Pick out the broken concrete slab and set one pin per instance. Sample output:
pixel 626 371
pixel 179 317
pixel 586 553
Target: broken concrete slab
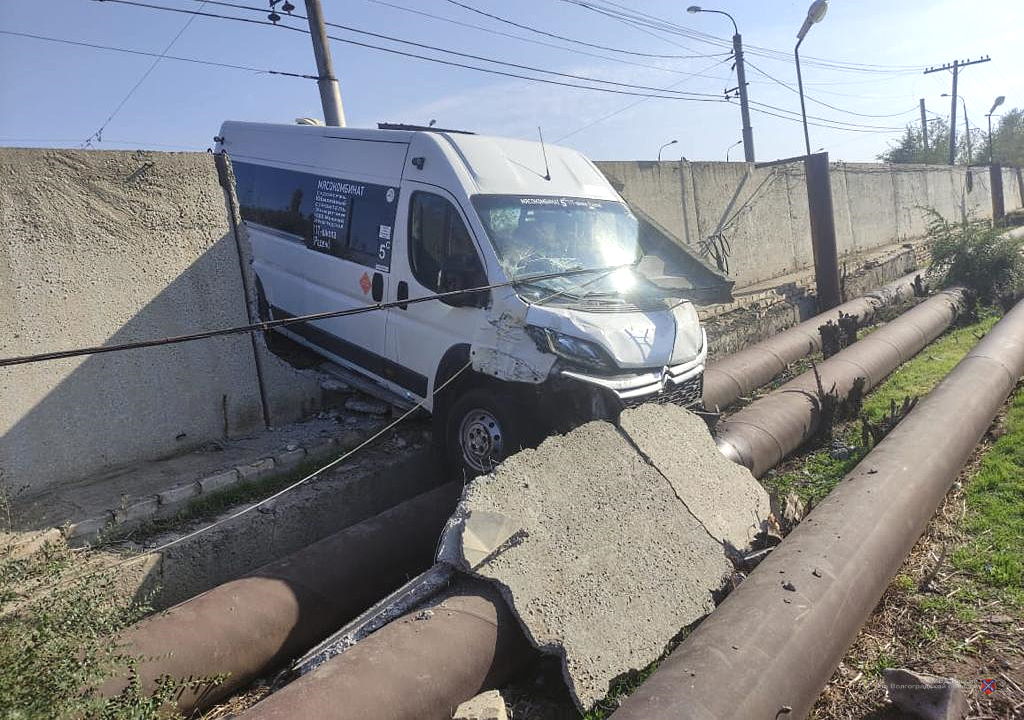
pixel 485 706
pixel 598 557
pixel 928 697
pixel 722 495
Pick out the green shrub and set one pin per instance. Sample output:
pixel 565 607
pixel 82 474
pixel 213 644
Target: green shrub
pixel 56 625
pixel 974 254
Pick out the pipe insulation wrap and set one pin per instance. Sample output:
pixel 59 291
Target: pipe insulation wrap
pixel 250 626
pixel 741 373
pixel 760 435
pixel 776 647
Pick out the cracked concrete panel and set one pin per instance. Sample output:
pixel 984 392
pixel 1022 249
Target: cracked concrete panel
pixel 722 495
pixel 598 558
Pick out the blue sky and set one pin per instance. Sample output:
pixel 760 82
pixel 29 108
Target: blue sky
pixel 58 95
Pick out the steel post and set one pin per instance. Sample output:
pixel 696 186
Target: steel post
pixel 823 230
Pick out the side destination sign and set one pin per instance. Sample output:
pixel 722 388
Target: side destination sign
pixel 344 218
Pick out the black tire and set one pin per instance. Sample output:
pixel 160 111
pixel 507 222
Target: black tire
pixel 481 430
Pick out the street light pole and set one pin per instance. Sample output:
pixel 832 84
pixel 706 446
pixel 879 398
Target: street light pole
pixel 729 149
pixel 670 142
pixel 741 79
pixel 815 13
pixel 997 103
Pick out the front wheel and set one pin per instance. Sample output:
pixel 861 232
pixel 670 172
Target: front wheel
pixel 480 432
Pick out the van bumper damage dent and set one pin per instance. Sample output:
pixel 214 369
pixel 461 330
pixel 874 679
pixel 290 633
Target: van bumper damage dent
pixel 632 386
pixel 503 349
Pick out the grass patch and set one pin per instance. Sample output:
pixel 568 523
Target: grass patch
pixel 820 471
pixel 994 555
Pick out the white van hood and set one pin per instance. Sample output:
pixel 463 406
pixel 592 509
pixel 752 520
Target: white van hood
pixel 635 339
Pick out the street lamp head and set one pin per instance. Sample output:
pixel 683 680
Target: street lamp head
pixel 815 14
pixel 694 9
pixel 999 101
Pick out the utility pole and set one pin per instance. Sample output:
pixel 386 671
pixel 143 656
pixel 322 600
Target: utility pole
pixel 330 93
pixel 741 78
pixel 924 127
pixel 955 67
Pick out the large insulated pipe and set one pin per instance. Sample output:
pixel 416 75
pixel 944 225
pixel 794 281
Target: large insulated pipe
pixel 778 637
pixel 419 667
pixel 250 626
pixel 760 435
pixel 741 373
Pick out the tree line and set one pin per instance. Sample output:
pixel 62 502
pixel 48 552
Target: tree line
pixel 971 149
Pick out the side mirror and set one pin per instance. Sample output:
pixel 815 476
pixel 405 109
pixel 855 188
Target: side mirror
pixel 461 273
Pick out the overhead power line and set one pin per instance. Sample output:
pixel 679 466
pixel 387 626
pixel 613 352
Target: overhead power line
pixel 98 135
pixel 641 91
pixel 825 104
pixel 197 61
pixel 638 19
pixel 542 43
pixel 623 109
pixel 530 28
pixel 424 46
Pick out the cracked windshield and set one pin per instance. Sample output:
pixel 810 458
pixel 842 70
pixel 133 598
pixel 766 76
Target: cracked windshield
pixel 538 235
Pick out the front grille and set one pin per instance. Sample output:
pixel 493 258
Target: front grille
pixel 687 394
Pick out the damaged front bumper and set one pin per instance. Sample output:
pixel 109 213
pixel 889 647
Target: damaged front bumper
pixel 681 383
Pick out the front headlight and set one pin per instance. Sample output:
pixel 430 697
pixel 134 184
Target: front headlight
pixel 573 349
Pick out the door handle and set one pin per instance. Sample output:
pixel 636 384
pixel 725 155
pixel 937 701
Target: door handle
pixel 403 293
pixel 377 287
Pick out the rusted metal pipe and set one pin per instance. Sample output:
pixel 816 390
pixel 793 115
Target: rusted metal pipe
pixel 778 644
pixel 739 374
pixel 419 667
pixel 760 435
pixel 250 626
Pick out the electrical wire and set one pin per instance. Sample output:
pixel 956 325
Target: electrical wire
pixel 284 322
pixel 636 18
pixel 212 63
pixel 565 38
pixel 630 106
pixel 534 41
pixel 699 97
pixel 825 104
pixel 424 46
pixel 98 135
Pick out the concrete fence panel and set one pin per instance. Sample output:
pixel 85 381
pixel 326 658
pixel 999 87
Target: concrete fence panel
pixel 101 248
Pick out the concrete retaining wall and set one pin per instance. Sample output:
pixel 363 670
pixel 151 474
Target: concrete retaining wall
pixel 102 248
pixel 762 213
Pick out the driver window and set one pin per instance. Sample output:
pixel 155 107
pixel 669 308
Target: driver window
pixel 438 238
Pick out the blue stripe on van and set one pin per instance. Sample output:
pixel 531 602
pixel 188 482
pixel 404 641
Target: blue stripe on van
pixel 381 366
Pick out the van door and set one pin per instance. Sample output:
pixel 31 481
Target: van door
pixel 322 244
pixel 435 240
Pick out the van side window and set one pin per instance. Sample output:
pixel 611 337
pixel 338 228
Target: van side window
pixel 347 219
pixel 438 238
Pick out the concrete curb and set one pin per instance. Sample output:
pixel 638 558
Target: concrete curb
pixel 134 511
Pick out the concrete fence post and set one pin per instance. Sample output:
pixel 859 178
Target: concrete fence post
pixel 995 174
pixel 823 231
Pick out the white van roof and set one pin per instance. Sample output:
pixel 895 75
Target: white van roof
pixel 493 165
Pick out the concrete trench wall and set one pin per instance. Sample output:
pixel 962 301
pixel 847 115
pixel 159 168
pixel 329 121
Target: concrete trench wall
pixel 101 248
pixel 763 211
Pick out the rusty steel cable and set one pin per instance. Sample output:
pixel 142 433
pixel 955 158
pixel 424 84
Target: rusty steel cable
pixel 284 322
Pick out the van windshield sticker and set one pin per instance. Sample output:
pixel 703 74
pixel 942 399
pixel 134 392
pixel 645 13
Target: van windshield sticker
pixel 335 216
pixel 564 202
